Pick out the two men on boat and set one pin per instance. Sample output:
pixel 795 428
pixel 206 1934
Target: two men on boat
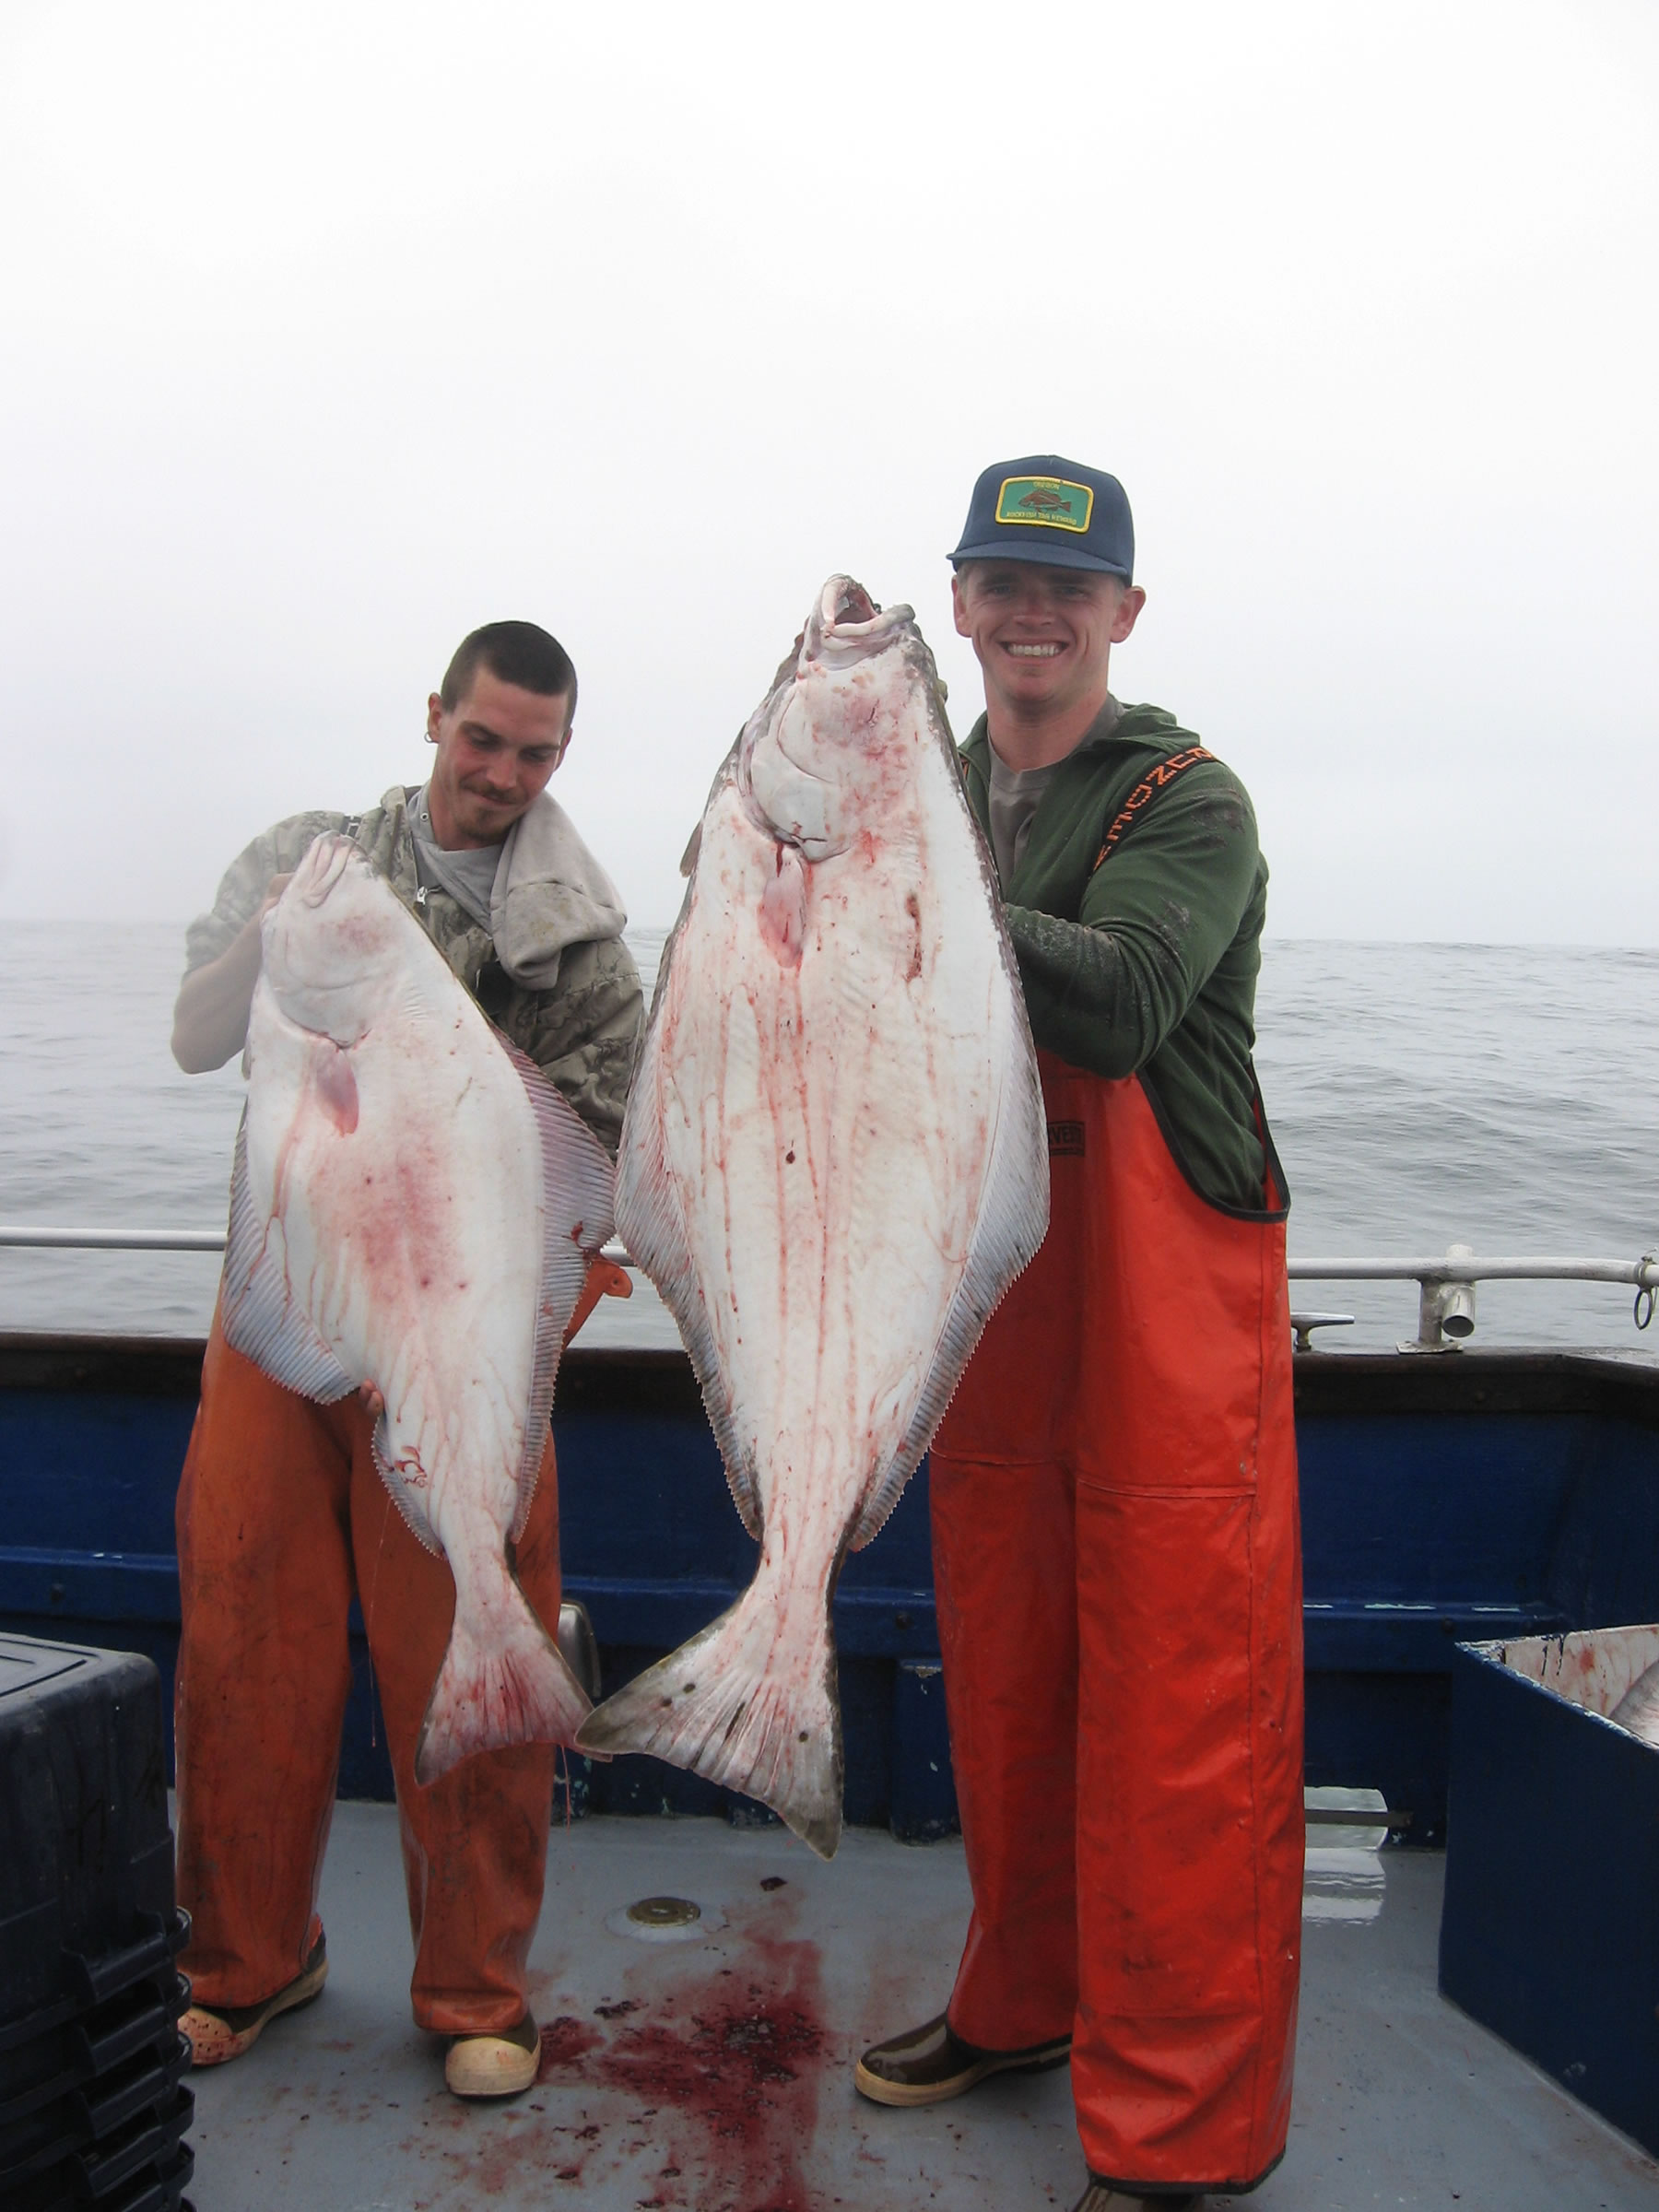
pixel 282 1516
pixel 1114 1489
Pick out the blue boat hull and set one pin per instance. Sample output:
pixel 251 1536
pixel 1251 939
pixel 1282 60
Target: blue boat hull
pixel 1471 1495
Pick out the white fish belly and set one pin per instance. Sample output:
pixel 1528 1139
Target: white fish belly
pixel 832 1167
pixel 828 1128
pixel 421 1274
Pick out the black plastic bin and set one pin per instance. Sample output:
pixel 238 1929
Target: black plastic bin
pixel 93 2108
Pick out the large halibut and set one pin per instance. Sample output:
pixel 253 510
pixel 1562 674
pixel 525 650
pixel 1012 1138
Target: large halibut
pixel 834 1164
pixel 413 1206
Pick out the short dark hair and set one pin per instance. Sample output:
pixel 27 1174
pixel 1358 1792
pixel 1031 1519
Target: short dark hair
pixel 518 653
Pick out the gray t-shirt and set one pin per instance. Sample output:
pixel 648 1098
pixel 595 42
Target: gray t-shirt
pixel 1013 796
pixel 1016 793
pixel 469 877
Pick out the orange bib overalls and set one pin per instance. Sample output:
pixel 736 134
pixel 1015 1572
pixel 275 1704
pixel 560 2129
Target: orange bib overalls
pixel 1118 1569
pixel 282 1519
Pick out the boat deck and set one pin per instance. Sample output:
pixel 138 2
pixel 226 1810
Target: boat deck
pixel 713 2074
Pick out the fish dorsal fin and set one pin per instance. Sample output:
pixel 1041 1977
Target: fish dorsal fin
pixel 1012 1224
pixel 653 1226
pixel 579 1203
pixel 404 1496
pixel 259 1317
pixel 657 1239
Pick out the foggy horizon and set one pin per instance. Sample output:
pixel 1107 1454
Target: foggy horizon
pixel 335 333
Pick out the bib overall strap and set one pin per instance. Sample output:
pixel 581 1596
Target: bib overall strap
pixel 1155 781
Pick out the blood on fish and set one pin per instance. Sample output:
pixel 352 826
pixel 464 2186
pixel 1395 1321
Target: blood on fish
pixel 912 907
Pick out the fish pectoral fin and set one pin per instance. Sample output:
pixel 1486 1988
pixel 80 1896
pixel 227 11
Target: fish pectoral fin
pixel 724 1707
pixel 334 1086
pixel 258 1312
pixel 783 906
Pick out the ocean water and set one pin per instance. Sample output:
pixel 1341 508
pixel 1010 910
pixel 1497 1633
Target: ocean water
pixel 1505 1097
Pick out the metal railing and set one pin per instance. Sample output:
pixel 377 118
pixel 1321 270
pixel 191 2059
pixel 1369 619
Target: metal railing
pixel 1446 1288
pixel 1446 1281
pixel 111 1240
pixel 40 1239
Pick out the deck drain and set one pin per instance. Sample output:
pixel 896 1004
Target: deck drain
pixel 665 1920
pixel 665 1911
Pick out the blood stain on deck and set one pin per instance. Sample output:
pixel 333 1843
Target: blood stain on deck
pixel 720 2077
pixel 564 2043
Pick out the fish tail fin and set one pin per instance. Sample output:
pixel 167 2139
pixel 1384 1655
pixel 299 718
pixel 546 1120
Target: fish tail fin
pixel 720 1707
pixel 512 1687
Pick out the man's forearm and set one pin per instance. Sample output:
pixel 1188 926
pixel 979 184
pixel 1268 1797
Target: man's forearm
pixel 1103 999
pixel 210 1015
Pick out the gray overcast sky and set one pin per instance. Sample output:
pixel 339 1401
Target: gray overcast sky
pixel 331 330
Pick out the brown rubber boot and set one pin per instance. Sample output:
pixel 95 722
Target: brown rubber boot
pixel 932 2064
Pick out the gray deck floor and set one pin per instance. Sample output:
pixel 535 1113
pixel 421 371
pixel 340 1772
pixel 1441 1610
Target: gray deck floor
pixel 714 2074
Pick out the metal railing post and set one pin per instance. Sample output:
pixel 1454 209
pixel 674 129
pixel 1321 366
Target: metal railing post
pixel 1445 1306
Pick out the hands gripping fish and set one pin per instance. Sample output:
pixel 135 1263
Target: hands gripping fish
pixel 413 1208
pixel 834 1164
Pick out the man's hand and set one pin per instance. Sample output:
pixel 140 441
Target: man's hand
pixel 370 1400
pixel 211 1015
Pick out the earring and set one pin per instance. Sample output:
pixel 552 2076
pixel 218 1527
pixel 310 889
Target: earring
pixel 430 738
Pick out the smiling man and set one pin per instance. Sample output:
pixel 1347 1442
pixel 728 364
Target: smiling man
pixel 282 1516
pixel 1114 1487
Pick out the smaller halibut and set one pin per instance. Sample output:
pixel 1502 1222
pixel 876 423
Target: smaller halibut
pixel 833 1165
pixel 413 1206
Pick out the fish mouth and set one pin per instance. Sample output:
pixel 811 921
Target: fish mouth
pixel 305 970
pixel 322 868
pixel 795 762
pixel 853 602
pixel 847 625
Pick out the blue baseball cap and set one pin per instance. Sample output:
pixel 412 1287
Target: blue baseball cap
pixel 1050 509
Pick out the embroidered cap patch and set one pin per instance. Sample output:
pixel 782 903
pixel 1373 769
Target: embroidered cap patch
pixel 1049 501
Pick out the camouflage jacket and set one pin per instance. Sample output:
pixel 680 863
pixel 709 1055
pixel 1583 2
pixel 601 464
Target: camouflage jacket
pixel 581 1031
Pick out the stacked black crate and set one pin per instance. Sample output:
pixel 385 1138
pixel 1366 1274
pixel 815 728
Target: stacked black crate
pixel 93 2108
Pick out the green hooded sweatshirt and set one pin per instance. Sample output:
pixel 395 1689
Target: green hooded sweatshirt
pixel 1146 964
